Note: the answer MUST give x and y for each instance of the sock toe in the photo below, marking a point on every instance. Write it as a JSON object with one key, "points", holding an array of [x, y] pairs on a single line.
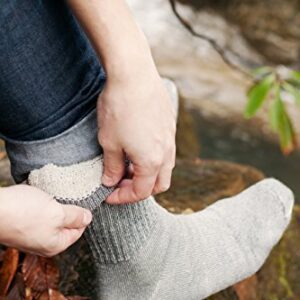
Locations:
{"points": [[283, 194]]}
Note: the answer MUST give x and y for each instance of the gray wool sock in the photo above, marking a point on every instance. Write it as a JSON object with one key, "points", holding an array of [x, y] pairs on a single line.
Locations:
{"points": [[144, 252]]}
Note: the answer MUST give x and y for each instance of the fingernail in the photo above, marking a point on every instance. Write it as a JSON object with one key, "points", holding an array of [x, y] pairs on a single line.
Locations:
{"points": [[87, 217], [108, 181]]}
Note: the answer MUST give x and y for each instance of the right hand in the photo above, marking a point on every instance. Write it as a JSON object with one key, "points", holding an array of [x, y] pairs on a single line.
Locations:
{"points": [[32, 221]]}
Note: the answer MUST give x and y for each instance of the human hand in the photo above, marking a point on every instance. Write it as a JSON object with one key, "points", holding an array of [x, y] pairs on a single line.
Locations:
{"points": [[32, 221], [136, 117]]}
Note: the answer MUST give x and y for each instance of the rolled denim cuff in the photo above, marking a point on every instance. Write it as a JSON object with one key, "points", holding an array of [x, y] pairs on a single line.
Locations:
{"points": [[77, 144]]}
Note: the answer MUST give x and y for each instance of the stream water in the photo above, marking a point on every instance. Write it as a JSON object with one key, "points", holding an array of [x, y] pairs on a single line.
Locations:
{"points": [[227, 142]]}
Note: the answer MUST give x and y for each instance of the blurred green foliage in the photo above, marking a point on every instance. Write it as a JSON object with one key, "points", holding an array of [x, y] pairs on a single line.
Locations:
{"points": [[276, 86]]}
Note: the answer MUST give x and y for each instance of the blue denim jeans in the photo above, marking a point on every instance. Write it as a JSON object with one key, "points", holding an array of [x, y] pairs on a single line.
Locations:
{"points": [[50, 78]]}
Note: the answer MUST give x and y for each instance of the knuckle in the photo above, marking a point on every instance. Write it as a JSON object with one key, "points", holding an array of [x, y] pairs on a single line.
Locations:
{"points": [[113, 169], [162, 187], [139, 195], [105, 142], [172, 164], [153, 162], [49, 252]]}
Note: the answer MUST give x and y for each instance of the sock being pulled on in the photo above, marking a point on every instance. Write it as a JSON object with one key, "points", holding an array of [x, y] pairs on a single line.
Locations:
{"points": [[144, 252]]}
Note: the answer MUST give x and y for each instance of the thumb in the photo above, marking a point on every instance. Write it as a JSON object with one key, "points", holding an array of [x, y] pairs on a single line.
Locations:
{"points": [[114, 167], [76, 217]]}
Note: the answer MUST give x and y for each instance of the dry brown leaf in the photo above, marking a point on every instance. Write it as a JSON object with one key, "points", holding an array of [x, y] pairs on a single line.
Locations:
{"points": [[17, 292], [56, 295], [28, 294], [247, 289], [2, 252], [77, 298], [8, 269], [52, 295], [40, 274]]}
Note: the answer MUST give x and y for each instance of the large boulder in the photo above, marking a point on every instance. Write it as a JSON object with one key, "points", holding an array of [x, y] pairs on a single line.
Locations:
{"points": [[272, 27]]}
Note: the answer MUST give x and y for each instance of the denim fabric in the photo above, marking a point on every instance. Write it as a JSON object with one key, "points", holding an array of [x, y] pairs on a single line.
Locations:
{"points": [[50, 76], [76, 144]]}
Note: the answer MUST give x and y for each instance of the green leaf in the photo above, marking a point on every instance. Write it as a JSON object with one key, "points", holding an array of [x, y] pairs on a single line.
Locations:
{"points": [[296, 75], [293, 91], [261, 71], [286, 132], [258, 94], [276, 110]]}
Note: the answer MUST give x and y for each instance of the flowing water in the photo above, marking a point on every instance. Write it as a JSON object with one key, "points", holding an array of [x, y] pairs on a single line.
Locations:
{"points": [[227, 142]]}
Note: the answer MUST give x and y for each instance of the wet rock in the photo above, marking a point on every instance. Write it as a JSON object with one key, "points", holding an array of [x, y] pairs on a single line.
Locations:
{"points": [[187, 142], [5, 175], [198, 183], [272, 27], [279, 278]]}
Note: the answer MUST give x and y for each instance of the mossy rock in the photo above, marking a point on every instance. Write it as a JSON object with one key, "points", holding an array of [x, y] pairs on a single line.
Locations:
{"points": [[197, 183], [279, 279]]}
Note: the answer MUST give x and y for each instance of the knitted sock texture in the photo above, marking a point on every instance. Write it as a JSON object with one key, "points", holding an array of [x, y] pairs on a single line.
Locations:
{"points": [[116, 232], [144, 252]]}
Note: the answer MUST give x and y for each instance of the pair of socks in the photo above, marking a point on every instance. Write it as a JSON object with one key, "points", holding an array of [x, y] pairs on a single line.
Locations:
{"points": [[143, 252]]}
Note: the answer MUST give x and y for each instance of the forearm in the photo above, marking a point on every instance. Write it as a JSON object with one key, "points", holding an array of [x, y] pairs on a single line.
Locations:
{"points": [[116, 37], [134, 110]]}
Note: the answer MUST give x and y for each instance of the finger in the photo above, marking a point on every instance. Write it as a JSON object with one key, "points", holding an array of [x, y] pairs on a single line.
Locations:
{"points": [[114, 167], [125, 182], [139, 188], [69, 237], [76, 217], [66, 238], [163, 180]]}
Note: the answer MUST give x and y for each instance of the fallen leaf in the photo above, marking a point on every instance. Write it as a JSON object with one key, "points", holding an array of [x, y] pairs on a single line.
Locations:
{"points": [[77, 298], [28, 294], [2, 252], [8, 269], [52, 295], [247, 289], [17, 292], [40, 274]]}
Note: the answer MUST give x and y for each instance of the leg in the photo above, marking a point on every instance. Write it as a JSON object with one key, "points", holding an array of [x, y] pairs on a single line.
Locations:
{"points": [[142, 251], [50, 78], [50, 75]]}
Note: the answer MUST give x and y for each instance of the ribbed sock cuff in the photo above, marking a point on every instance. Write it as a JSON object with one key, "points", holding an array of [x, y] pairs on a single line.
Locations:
{"points": [[117, 232]]}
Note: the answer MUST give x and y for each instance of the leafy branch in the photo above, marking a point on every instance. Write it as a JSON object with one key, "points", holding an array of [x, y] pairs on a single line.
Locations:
{"points": [[276, 85]]}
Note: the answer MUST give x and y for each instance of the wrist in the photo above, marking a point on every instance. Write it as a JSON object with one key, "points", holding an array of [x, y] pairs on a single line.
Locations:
{"points": [[132, 62]]}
